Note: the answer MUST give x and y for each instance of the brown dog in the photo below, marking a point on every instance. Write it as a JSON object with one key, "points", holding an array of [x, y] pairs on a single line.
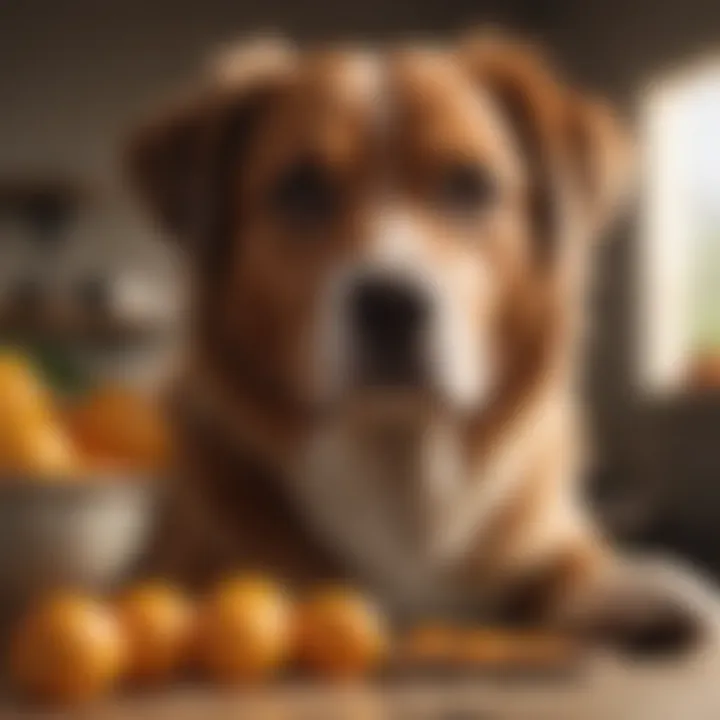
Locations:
{"points": [[389, 251]]}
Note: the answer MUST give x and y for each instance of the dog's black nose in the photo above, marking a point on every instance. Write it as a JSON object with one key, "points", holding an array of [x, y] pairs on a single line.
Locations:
{"points": [[387, 309], [389, 317]]}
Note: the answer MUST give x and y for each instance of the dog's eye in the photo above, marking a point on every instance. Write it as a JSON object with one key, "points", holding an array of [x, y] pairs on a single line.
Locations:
{"points": [[305, 195], [466, 187]]}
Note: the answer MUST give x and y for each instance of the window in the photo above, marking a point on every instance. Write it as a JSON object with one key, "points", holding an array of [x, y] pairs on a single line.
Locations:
{"points": [[679, 323]]}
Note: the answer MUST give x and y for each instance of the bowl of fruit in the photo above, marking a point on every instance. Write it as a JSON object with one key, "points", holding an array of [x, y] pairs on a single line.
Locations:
{"points": [[78, 482]]}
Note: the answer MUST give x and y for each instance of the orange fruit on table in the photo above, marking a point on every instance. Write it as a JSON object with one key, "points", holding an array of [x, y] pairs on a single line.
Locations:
{"points": [[157, 621], [68, 650], [244, 630], [340, 634]]}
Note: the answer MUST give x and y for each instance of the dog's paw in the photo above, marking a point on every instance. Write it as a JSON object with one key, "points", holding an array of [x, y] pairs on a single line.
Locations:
{"points": [[646, 608]]}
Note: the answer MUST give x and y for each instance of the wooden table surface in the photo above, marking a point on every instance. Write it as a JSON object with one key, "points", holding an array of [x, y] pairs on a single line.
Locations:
{"points": [[606, 690]]}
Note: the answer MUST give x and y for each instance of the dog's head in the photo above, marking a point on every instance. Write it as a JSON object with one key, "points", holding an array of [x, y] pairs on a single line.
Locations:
{"points": [[371, 225]]}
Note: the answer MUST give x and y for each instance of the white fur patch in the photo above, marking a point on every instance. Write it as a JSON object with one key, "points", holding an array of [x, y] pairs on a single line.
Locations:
{"points": [[497, 479], [454, 344], [253, 59], [362, 77], [378, 512], [396, 241]]}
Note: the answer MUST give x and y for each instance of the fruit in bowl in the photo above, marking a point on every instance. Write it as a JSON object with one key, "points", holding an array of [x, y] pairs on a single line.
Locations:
{"points": [[120, 426], [109, 430], [41, 450], [22, 395], [69, 515], [32, 442]]}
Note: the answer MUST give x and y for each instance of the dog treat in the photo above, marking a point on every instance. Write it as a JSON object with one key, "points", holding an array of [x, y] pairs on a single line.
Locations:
{"points": [[430, 645], [68, 650], [243, 632], [516, 650], [340, 634], [158, 622], [443, 649]]}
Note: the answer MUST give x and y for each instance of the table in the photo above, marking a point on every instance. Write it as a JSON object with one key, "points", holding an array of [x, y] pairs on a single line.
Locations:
{"points": [[607, 689]]}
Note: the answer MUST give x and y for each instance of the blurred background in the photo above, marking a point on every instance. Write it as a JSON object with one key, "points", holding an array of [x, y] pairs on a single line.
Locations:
{"points": [[92, 293]]}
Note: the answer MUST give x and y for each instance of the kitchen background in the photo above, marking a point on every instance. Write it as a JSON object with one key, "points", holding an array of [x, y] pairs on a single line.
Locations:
{"points": [[86, 281]]}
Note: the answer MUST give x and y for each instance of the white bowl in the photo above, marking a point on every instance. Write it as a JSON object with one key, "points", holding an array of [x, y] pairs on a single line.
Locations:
{"points": [[88, 534]]}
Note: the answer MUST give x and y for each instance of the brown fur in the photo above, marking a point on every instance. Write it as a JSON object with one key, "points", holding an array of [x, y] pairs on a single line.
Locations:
{"points": [[206, 171]]}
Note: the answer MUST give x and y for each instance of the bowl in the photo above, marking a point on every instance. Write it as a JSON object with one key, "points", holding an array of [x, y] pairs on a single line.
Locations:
{"points": [[88, 534]]}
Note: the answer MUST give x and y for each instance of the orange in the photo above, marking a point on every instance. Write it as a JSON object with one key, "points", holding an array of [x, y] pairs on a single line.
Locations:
{"points": [[340, 634], [68, 650], [120, 425], [157, 620], [23, 396], [244, 630], [30, 440], [39, 449]]}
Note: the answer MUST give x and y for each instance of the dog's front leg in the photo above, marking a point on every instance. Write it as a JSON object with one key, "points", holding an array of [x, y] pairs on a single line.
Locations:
{"points": [[640, 605]]}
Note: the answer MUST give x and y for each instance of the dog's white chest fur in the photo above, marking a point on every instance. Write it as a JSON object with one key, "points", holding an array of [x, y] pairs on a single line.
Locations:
{"points": [[379, 498]]}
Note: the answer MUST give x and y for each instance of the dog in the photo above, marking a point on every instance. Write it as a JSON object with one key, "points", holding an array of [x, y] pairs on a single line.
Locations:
{"points": [[389, 253]]}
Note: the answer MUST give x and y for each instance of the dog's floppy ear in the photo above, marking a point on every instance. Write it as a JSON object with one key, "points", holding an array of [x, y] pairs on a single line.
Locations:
{"points": [[576, 149], [602, 157], [171, 160], [163, 159]]}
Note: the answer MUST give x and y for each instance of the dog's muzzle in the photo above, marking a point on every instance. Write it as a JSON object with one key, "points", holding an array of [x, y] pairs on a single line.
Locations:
{"points": [[388, 321]]}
